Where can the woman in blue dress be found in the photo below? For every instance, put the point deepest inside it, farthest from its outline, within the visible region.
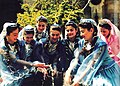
(13, 66)
(97, 68)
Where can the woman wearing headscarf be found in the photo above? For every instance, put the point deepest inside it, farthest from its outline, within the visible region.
(110, 34)
(71, 40)
(97, 68)
(41, 31)
(13, 65)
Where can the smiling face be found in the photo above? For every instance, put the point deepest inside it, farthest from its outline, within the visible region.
(41, 26)
(71, 32)
(54, 36)
(12, 37)
(86, 34)
(105, 32)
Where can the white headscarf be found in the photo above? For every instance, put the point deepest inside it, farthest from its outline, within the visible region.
(21, 33)
(4, 31)
(114, 31)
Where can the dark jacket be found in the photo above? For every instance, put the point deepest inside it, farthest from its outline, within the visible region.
(68, 50)
(55, 55)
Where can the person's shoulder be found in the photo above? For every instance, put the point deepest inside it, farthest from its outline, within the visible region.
(2, 42)
(115, 37)
(81, 41)
(64, 41)
(21, 42)
(59, 42)
(78, 38)
(100, 42)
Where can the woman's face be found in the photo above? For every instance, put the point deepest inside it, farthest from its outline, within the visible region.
(28, 38)
(70, 32)
(54, 35)
(12, 38)
(86, 34)
(41, 26)
(105, 32)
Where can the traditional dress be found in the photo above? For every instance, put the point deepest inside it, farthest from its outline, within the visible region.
(70, 48)
(56, 57)
(12, 72)
(97, 68)
(114, 41)
(41, 37)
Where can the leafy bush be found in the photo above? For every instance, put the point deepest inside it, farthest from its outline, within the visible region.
(56, 11)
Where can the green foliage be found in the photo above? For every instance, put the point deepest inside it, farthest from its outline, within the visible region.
(56, 11)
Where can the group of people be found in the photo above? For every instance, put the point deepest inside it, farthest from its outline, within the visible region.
(39, 56)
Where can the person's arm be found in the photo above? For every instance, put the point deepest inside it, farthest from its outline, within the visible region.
(82, 72)
(1, 80)
(13, 58)
(73, 63)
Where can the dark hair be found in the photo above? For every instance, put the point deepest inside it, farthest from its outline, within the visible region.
(88, 24)
(71, 23)
(104, 25)
(42, 19)
(55, 27)
(11, 28)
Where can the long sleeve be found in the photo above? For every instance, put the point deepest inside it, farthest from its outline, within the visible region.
(89, 66)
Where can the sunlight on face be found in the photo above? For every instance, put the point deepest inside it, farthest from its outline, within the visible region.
(12, 38)
(87, 35)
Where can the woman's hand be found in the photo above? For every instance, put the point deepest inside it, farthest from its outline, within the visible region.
(75, 84)
(1, 51)
(67, 78)
(1, 80)
(43, 70)
(41, 67)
